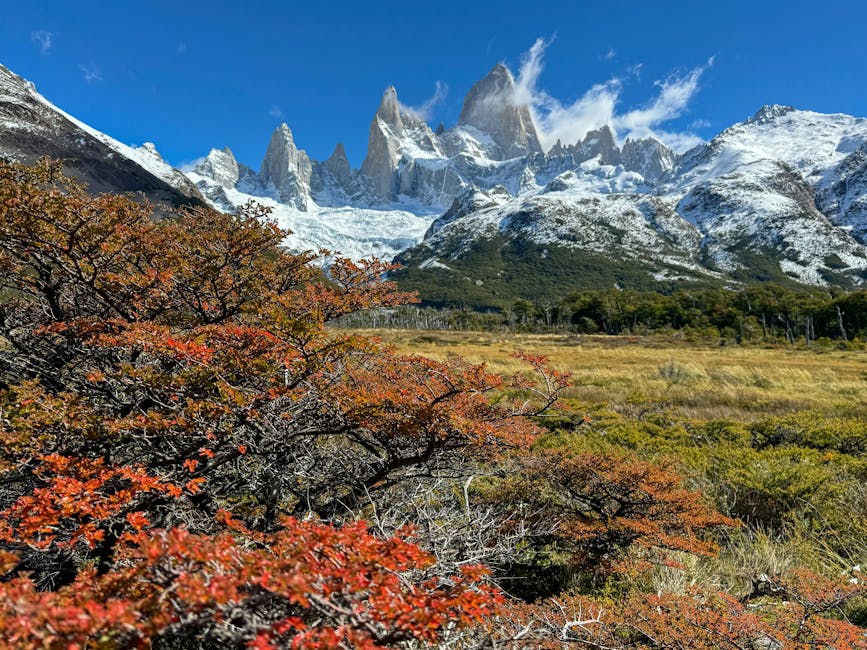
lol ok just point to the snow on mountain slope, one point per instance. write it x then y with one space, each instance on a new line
766 207
843 195
744 204
569 212
811 143
145 155
31 127
348 231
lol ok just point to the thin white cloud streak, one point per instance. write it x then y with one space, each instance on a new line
190 165
526 92
599 106
90 72
43 40
425 110
275 112
674 96
610 54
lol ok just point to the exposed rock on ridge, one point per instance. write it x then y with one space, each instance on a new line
286 169
491 107
32 127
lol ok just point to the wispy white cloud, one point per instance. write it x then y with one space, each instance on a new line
526 91
610 54
425 109
189 165
600 105
43 40
275 112
90 72
675 94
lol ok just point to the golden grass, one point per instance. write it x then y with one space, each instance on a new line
692 380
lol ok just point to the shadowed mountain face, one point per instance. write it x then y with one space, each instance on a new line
31 127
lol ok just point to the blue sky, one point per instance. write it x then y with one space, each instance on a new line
193 75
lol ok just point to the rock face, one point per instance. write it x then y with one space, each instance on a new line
287 170
221 166
766 209
599 143
844 198
399 140
384 145
32 127
647 156
338 165
491 107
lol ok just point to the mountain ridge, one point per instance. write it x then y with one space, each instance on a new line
32 127
780 195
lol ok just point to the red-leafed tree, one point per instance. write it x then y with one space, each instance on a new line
158 373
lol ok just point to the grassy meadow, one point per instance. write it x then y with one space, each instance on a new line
775 437
688 379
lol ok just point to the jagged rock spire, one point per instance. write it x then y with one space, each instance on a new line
647 156
221 166
389 110
383 144
338 164
491 107
287 169
599 142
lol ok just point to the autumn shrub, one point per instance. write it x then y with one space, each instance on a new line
171 397
589 515
808 618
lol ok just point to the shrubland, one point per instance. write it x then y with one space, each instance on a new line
193 456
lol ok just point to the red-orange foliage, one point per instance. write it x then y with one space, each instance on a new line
598 505
79 497
691 621
155 373
311 585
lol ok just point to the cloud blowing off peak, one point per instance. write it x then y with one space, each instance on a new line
599 106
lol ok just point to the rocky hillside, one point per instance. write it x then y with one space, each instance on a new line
31 127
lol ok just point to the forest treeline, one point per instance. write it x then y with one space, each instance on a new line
757 312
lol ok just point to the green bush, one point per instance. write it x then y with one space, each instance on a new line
846 435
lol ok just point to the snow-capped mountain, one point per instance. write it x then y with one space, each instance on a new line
785 183
31 127
411 174
780 196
